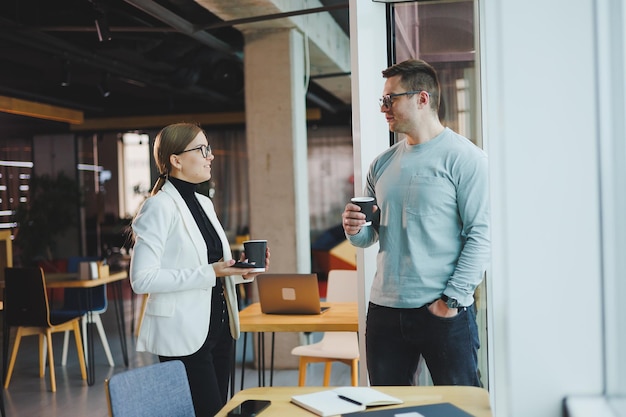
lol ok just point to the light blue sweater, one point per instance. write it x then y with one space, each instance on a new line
434 221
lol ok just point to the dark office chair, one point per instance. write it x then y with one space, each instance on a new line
75 304
26 307
6 260
158 390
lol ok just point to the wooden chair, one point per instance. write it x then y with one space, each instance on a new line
335 346
26 307
6 260
6 256
158 390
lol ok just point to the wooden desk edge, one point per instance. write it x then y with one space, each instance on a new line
474 400
64 282
251 319
70 280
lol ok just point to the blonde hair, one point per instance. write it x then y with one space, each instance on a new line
171 140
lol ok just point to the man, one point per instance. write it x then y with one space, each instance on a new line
432 223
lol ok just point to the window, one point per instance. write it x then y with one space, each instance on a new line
134 149
444 35
16 167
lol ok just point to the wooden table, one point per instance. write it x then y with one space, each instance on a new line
70 280
471 399
340 317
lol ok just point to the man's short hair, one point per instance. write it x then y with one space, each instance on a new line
417 75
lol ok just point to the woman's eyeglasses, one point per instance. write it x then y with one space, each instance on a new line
205 149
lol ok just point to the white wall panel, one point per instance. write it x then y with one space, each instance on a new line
540 128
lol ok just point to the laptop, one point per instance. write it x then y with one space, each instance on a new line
289 294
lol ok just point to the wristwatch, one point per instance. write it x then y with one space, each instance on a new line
450 302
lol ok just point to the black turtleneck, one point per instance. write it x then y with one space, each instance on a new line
213 243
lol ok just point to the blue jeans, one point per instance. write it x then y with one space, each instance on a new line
396 338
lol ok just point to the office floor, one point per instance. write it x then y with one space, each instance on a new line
28 395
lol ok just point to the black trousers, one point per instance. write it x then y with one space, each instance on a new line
209 369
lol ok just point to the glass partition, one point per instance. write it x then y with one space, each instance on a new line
445 34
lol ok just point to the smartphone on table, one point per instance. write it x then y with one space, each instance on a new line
249 408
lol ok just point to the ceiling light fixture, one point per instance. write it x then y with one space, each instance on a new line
101 21
103 85
66 76
102 27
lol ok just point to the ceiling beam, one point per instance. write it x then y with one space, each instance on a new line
328 45
42 41
159 121
183 26
273 16
39 110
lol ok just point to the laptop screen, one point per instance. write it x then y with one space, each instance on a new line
289 293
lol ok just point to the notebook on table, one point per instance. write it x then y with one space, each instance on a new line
289 294
428 410
343 400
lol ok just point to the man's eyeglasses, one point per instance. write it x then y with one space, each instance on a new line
387 99
205 149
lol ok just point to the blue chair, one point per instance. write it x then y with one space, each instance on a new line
74 304
158 390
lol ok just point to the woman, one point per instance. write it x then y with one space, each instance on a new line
182 258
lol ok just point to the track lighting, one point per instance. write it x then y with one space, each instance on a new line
103 85
101 21
66 75
102 27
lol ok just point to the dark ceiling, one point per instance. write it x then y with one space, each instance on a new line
114 58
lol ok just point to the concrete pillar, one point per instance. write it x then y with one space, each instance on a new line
277 156
277 146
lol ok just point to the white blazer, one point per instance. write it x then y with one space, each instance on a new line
170 263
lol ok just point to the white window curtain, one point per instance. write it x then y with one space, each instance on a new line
230 179
330 170
331 180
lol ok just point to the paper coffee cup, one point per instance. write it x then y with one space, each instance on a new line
367 207
255 252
